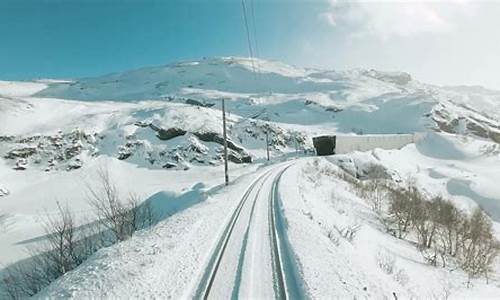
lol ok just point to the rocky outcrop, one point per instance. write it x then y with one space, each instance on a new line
168 134
217 138
241 157
23 152
198 103
51 152
475 126
400 78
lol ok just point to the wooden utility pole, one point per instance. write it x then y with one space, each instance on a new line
296 146
267 142
226 175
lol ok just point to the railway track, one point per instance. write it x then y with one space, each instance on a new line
252 257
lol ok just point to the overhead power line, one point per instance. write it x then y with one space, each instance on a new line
254 29
245 19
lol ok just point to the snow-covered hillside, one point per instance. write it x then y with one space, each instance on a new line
360 100
158 130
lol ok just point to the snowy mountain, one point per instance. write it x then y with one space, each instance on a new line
185 98
158 130
380 102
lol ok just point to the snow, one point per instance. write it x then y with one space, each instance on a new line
317 205
164 262
117 114
20 88
35 193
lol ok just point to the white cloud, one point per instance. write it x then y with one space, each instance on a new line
400 18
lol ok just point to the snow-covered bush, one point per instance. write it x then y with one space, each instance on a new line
386 261
402 277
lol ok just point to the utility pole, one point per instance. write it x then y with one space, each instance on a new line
296 146
226 175
267 142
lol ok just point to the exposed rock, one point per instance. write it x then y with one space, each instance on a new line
7 138
21 164
333 109
400 78
73 150
495 136
198 103
75 164
124 154
45 150
217 138
233 157
169 165
142 124
168 134
238 158
21 153
247 159
4 191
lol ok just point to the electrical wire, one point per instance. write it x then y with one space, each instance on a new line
245 19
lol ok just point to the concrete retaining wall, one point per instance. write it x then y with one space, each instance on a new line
350 143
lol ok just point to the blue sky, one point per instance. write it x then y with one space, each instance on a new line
443 42
83 38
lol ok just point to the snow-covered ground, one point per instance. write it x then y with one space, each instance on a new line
157 130
318 205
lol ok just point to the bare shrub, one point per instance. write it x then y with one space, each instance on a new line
62 239
402 206
479 247
122 218
386 261
67 246
334 237
348 232
347 177
423 222
444 233
373 189
375 192
25 279
58 254
402 277
447 221
3 222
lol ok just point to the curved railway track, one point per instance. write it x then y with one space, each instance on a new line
252 258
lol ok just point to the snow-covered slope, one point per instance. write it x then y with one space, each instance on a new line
158 129
361 100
